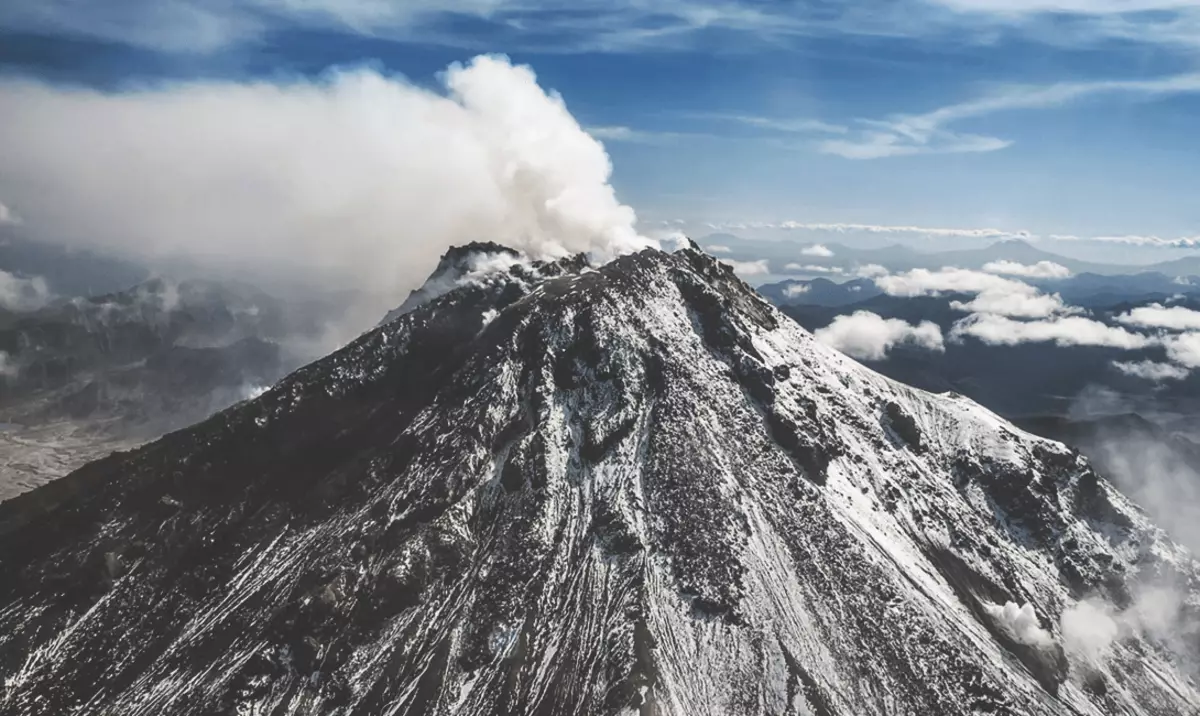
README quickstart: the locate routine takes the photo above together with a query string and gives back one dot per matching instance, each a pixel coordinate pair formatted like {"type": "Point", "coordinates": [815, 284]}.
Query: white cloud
{"type": "Point", "coordinates": [881, 145]}
{"type": "Point", "coordinates": [796, 289]}
{"type": "Point", "coordinates": [23, 294]}
{"type": "Point", "coordinates": [199, 26]}
{"type": "Point", "coordinates": [356, 180]}
{"type": "Point", "coordinates": [1183, 242]}
{"type": "Point", "coordinates": [621, 133]}
{"type": "Point", "coordinates": [930, 133]}
{"type": "Point", "coordinates": [1184, 349]}
{"type": "Point", "coordinates": [1041, 269]}
{"type": "Point", "coordinates": [817, 250]}
{"type": "Point", "coordinates": [923, 282]}
{"type": "Point", "coordinates": [1156, 315]}
{"type": "Point", "coordinates": [1061, 330]}
{"type": "Point", "coordinates": [718, 249]}
{"type": "Point", "coordinates": [1151, 370]}
{"type": "Point", "coordinates": [1017, 305]}
{"type": "Point", "coordinates": [786, 126]}
{"type": "Point", "coordinates": [925, 231]}
{"type": "Point", "coordinates": [812, 268]}
{"type": "Point", "coordinates": [995, 295]}
{"type": "Point", "coordinates": [869, 336]}
{"type": "Point", "coordinates": [748, 268]}
{"type": "Point", "coordinates": [870, 271]}
{"type": "Point", "coordinates": [842, 228]}
{"type": "Point", "coordinates": [1076, 7]}
{"type": "Point", "coordinates": [7, 216]}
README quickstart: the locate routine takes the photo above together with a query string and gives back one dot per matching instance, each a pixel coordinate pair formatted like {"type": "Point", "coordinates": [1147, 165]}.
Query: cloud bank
{"type": "Point", "coordinates": [995, 294]}
{"type": "Point", "coordinates": [1042, 269]}
{"type": "Point", "coordinates": [812, 268]}
{"type": "Point", "coordinates": [1152, 370]}
{"type": "Point", "coordinates": [1062, 330]}
{"type": "Point", "coordinates": [869, 336]}
{"type": "Point", "coordinates": [357, 180]}
{"type": "Point", "coordinates": [817, 250]}
{"type": "Point", "coordinates": [1156, 315]}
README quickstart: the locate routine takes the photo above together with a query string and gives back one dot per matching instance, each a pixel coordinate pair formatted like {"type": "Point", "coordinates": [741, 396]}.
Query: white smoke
{"type": "Point", "coordinates": [1089, 630]}
{"type": "Point", "coordinates": [356, 180]}
{"type": "Point", "coordinates": [23, 294]}
{"type": "Point", "coordinates": [796, 289]}
{"type": "Point", "coordinates": [1021, 623]}
{"type": "Point", "coordinates": [1092, 626]}
{"type": "Point", "coordinates": [8, 368]}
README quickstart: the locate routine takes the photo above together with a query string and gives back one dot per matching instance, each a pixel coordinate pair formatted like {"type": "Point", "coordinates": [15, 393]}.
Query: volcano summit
{"type": "Point", "coordinates": [555, 488]}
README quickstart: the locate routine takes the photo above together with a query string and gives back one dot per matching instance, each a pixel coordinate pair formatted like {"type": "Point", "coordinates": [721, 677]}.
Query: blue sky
{"type": "Point", "coordinates": [1052, 116]}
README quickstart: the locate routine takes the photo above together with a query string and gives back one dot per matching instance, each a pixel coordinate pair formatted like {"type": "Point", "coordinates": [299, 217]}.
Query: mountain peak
{"type": "Point", "coordinates": [567, 489]}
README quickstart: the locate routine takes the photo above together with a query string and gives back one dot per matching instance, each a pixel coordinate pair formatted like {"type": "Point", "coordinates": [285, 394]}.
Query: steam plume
{"type": "Point", "coordinates": [356, 180]}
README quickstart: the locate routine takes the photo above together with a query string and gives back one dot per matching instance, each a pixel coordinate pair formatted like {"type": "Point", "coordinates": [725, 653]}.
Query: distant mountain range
{"type": "Point", "coordinates": [898, 257]}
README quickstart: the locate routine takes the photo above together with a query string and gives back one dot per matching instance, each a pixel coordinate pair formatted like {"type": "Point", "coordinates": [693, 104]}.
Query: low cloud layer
{"type": "Point", "coordinates": [869, 336]}
{"type": "Point", "coordinates": [1152, 370]}
{"type": "Point", "coordinates": [995, 294]}
{"type": "Point", "coordinates": [812, 268]}
{"type": "Point", "coordinates": [923, 282]}
{"type": "Point", "coordinates": [1061, 330]}
{"type": "Point", "coordinates": [819, 250]}
{"type": "Point", "coordinates": [1156, 315]}
{"type": "Point", "coordinates": [1041, 269]}
{"type": "Point", "coordinates": [1184, 349]}
{"type": "Point", "coordinates": [356, 180]}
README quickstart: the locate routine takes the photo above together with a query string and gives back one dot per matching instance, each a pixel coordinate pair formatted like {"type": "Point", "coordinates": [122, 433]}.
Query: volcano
{"type": "Point", "coordinates": [558, 488]}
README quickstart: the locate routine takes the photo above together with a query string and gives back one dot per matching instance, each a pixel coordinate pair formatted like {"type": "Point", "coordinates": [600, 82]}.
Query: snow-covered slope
{"type": "Point", "coordinates": [637, 489]}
